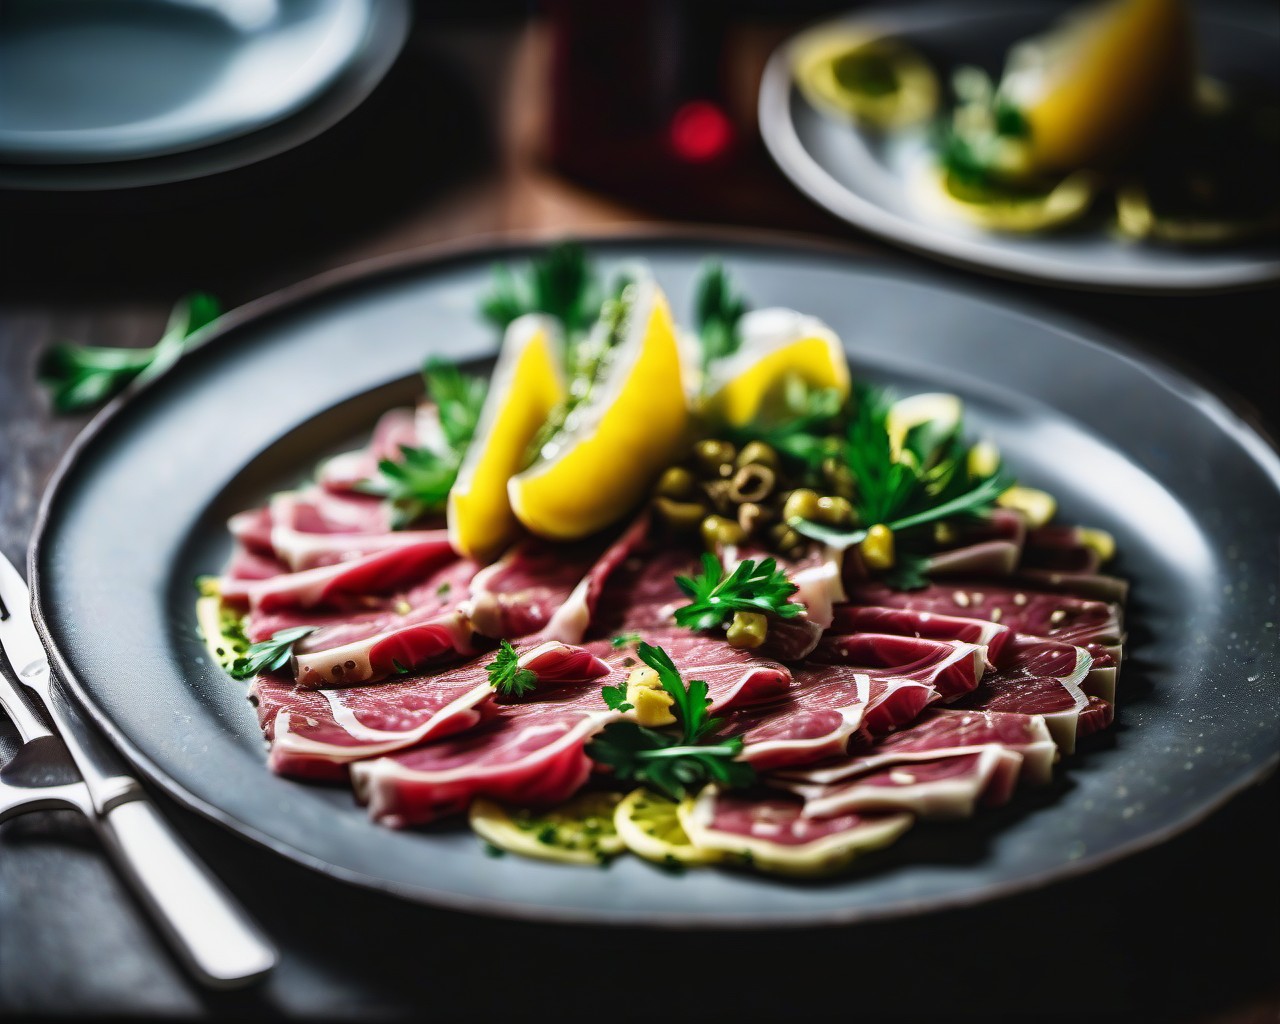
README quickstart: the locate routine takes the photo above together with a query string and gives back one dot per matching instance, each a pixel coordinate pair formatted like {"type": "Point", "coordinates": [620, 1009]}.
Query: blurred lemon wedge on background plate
{"type": "Point", "coordinates": [1091, 86]}
{"type": "Point", "coordinates": [778, 345]}
{"type": "Point", "coordinates": [619, 432]}
{"type": "Point", "coordinates": [526, 385]}
{"type": "Point", "coordinates": [876, 80]}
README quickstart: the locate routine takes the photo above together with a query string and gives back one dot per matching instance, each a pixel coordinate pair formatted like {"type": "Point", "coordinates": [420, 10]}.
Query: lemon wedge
{"type": "Point", "coordinates": [1092, 85]}
{"type": "Point", "coordinates": [778, 345]}
{"type": "Point", "coordinates": [998, 209]}
{"type": "Point", "coordinates": [620, 434]}
{"type": "Point", "coordinates": [579, 831]}
{"type": "Point", "coordinates": [527, 383]}
{"type": "Point", "coordinates": [879, 81]}
{"type": "Point", "coordinates": [649, 824]}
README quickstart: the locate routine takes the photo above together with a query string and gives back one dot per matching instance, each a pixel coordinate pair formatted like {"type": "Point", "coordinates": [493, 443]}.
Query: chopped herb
{"type": "Point", "coordinates": [444, 588]}
{"type": "Point", "coordinates": [616, 697]}
{"type": "Point", "coordinates": [624, 640]}
{"type": "Point", "coordinates": [751, 587]}
{"type": "Point", "coordinates": [269, 655]}
{"type": "Point", "coordinates": [82, 376]}
{"type": "Point", "coordinates": [400, 670]}
{"type": "Point", "coordinates": [673, 763]}
{"type": "Point", "coordinates": [717, 308]}
{"type": "Point", "coordinates": [494, 851]}
{"type": "Point", "coordinates": [505, 674]}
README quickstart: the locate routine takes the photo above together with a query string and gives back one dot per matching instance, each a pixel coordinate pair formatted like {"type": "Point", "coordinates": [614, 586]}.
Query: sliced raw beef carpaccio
{"type": "Point", "coordinates": [949, 786]}
{"type": "Point", "coordinates": [1039, 677]}
{"type": "Point", "coordinates": [852, 618]}
{"type": "Point", "coordinates": [771, 831]}
{"type": "Point", "coordinates": [316, 734]}
{"type": "Point", "coordinates": [533, 752]}
{"type": "Point", "coordinates": [572, 621]}
{"type": "Point", "coordinates": [1094, 625]}
{"type": "Point", "coordinates": [347, 584]}
{"type": "Point", "coordinates": [348, 470]}
{"type": "Point", "coordinates": [951, 667]}
{"type": "Point", "coordinates": [642, 592]}
{"type": "Point", "coordinates": [823, 708]}
{"type": "Point", "coordinates": [519, 594]}
{"type": "Point", "coordinates": [406, 632]}
{"type": "Point", "coordinates": [938, 732]}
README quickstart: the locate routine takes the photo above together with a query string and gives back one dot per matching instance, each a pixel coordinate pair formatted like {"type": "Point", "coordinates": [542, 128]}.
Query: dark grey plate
{"type": "Point", "coordinates": [1191, 493]}
{"type": "Point", "coordinates": [864, 179]}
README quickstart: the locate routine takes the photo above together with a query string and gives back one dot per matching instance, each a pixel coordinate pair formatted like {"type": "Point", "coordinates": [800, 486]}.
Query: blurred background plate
{"type": "Point", "coordinates": [186, 88]}
{"type": "Point", "coordinates": [864, 179]}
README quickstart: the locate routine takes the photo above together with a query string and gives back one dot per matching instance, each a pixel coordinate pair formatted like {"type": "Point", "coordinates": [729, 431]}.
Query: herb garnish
{"type": "Point", "coordinates": [926, 482]}
{"type": "Point", "coordinates": [505, 674]}
{"type": "Point", "coordinates": [717, 308]}
{"type": "Point", "coordinates": [669, 762]}
{"type": "Point", "coordinates": [419, 481]}
{"type": "Point", "coordinates": [751, 587]}
{"type": "Point", "coordinates": [624, 640]}
{"type": "Point", "coordinates": [803, 431]}
{"type": "Point", "coordinates": [560, 284]}
{"type": "Point", "coordinates": [82, 376]}
{"type": "Point", "coordinates": [269, 655]}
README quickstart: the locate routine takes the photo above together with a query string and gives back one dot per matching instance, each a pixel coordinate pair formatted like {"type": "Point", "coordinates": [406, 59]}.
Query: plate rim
{"type": "Point", "coordinates": [386, 34]}
{"type": "Point", "coordinates": [1262, 449]}
{"type": "Point", "coordinates": [781, 137]}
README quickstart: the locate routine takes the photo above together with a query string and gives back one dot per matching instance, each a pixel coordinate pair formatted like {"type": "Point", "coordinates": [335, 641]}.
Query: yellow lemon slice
{"type": "Point", "coordinates": [879, 81]}
{"type": "Point", "coordinates": [778, 346]}
{"type": "Point", "coordinates": [1093, 84]}
{"type": "Point", "coordinates": [649, 824]}
{"type": "Point", "coordinates": [527, 383]}
{"type": "Point", "coordinates": [765, 851]}
{"type": "Point", "coordinates": [623, 431]}
{"type": "Point", "coordinates": [998, 209]}
{"type": "Point", "coordinates": [579, 831]}
{"type": "Point", "coordinates": [938, 407]}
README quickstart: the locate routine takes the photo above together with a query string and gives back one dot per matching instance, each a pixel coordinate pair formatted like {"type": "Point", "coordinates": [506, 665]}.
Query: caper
{"type": "Point", "coordinates": [757, 453]}
{"type": "Point", "coordinates": [748, 629]}
{"type": "Point", "coordinates": [877, 548]}
{"type": "Point", "coordinates": [802, 503]}
{"type": "Point", "coordinates": [753, 482]}
{"type": "Point", "coordinates": [839, 477]}
{"type": "Point", "coordinates": [712, 454]}
{"type": "Point", "coordinates": [680, 515]}
{"type": "Point", "coordinates": [835, 511]}
{"type": "Point", "coordinates": [717, 530]}
{"type": "Point", "coordinates": [718, 494]}
{"type": "Point", "coordinates": [750, 515]}
{"type": "Point", "coordinates": [676, 482]}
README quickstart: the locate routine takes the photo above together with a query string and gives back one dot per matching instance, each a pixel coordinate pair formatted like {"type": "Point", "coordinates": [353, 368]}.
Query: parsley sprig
{"type": "Point", "coordinates": [675, 763]}
{"type": "Point", "coordinates": [419, 481]}
{"type": "Point", "coordinates": [561, 283]}
{"type": "Point", "coordinates": [269, 655]}
{"type": "Point", "coordinates": [751, 587]}
{"type": "Point", "coordinates": [505, 674]}
{"type": "Point", "coordinates": [717, 308]}
{"type": "Point", "coordinates": [927, 481]}
{"type": "Point", "coordinates": [83, 376]}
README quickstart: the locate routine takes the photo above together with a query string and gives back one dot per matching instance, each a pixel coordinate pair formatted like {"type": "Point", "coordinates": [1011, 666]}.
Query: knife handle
{"type": "Point", "coordinates": [205, 926]}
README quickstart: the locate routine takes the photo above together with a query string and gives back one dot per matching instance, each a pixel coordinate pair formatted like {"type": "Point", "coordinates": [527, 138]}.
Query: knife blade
{"type": "Point", "coordinates": [208, 930]}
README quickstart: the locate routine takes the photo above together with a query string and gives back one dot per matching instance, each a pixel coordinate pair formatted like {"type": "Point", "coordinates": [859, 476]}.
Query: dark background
{"type": "Point", "coordinates": [467, 137]}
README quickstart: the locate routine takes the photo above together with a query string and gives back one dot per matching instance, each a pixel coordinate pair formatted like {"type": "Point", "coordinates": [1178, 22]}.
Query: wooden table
{"type": "Point", "coordinates": [1186, 931]}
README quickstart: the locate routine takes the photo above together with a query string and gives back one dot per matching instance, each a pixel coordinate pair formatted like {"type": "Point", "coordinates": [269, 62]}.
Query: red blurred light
{"type": "Point", "coordinates": [700, 131]}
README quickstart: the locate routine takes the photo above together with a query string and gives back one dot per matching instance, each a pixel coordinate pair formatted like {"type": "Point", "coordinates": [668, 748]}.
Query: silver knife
{"type": "Point", "coordinates": [206, 927]}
